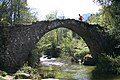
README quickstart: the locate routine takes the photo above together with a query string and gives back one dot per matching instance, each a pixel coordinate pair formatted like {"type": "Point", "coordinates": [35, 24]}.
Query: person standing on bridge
{"type": "Point", "coordinates": [80, 17]}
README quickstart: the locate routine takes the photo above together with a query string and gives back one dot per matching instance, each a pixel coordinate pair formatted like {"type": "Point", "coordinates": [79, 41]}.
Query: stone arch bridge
{"type": "Point", "coordinates": [21, 39]}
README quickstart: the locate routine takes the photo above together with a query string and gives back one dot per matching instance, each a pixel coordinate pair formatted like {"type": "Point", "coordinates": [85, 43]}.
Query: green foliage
{"type": "Point", "coordinates": [53, 51]}
{"type": "Point", "coordinates": [29, 70]}
{"type": "Point", "coordinates": [15, 12]}
{"type": "Point", "coordinates": [109, 17]}
{"type": "Point", "coordinates": [25, 69]}
{"type": "Point", "coordinates": [48, 72]}
{"type": "Point", "coordinates": [108, 64]}
{"type": "Point", "coordinates": [51, 16]}
{"type": "Point", "coordinates": [47, 42]}
{"type": "Point", "coordinates": [110, 12]}
{"type": "Point", "coordinates": [94, 19]}
{"type": "Point", "coordinates": [102, 19]}
{"type": "Point", "coordinates": [34, 58]}
{"type": "Point", "coordinates": [61, 43]}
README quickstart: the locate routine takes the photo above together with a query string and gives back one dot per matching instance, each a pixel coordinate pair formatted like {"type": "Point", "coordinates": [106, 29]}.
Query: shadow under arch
{"type": "Point", "coordinates": [22, 39]}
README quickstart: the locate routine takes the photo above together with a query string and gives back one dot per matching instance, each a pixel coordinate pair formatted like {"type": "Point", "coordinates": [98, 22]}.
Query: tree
{"type": "Point", "coordinates": [4, 11]}
{"type": "Point", "coordinates": [15, 12]}
{"type": "Point", "coordinates": [111, 10]}
{"type": "Point", "coordinates": [94, 18]}
{"type": "Point", "coordinates": [111, 18]}
{"type": "Point", "coordinates": [51, 16]}
{"type": "Point", "coordinates": [111, 13]}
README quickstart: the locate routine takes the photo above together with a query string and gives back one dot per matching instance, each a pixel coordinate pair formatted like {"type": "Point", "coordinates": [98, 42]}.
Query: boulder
{"type": "Point", "coordinates": [3, 73]}
{"type": "Point", "coordinates": [88, 60]}
{"type": "Point", "coordinates": [22, 76]}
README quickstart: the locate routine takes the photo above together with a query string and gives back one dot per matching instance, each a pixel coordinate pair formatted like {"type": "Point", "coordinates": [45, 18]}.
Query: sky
{"type": "Point", "coordinates": [68, 8]}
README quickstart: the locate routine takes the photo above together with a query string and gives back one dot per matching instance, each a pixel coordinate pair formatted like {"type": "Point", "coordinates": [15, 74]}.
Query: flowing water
{"type": "Point", "coordinates": [53, 69]}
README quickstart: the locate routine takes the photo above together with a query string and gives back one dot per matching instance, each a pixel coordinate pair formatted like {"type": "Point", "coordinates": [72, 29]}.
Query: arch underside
{"type": "Point", "coordinates": [22, 39]}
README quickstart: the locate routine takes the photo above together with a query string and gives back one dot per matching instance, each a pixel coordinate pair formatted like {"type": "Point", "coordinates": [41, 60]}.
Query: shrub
{"type": "Point", "coordinates": [34, 58]}
{"type": "Point", "coordinates": [53, 51]}
{"type": "Point", "coordinates": [29, 70]}
{"type": "Point", "coordinates": [108, 64]}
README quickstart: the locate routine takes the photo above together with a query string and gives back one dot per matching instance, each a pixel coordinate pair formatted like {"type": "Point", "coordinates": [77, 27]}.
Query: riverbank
{"type": "Point", "coordinates": [53, 68]}
{"type": "Point", "coordinates": [57, 69]}
{"type": "Point", "coordinates": [73, 71]}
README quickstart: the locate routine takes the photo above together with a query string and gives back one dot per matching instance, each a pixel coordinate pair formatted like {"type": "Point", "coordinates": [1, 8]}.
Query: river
{"type": "Point", "coordinates": [54, 69]}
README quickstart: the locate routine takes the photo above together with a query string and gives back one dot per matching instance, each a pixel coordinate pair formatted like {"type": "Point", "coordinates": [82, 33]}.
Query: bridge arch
{"type": "Point", "coordinates": [23, 38]}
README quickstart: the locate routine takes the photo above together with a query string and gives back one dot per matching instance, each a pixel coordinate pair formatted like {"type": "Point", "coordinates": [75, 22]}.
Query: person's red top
{"type": "Point", "coordinates": [80, 18]}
